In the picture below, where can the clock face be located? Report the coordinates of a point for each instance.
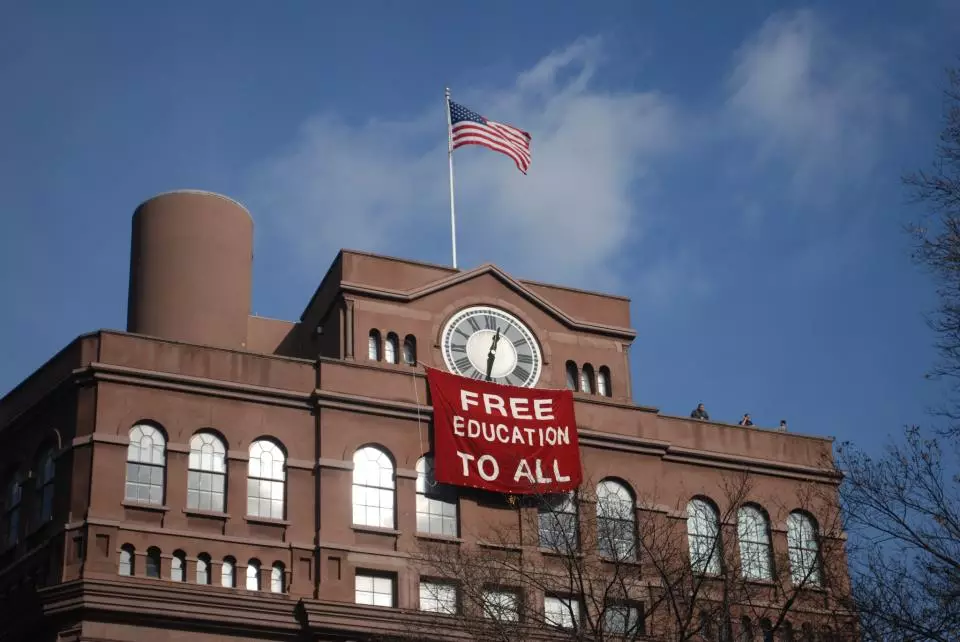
(487, 343)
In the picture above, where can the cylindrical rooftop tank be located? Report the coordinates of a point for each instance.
(191, 261)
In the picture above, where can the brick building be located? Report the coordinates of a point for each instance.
(210, 475)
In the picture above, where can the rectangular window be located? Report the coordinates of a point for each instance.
(562, 612)
(438, 597)
(375, 589)
(623, 620)
(501, 605)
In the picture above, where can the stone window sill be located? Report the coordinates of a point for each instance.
(436, 537)
(157, 508)
(377, 530)
(270, 521)
(196, 512)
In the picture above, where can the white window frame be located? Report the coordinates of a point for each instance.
(146, 465)
(374, 488)
(572, 376)
(391, 348)
(803, 548)
(603, 381)
(559, 523)
(623, 619)
(375, 589)
(616, 521)
(178, 566)
(153, 562)
(703, 535)
(203, 569)
(207, 473)
(437, 506)
(228, 572)
(374, 345)
(252, 575)
(438, 597)
(753, 534)
(561, 612)
(266, 480)
(587, 383)
(278, 582)
(410, 350)
(128, 561)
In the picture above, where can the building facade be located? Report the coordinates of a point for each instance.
(211, 475)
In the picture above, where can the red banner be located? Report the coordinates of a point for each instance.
(503, 438)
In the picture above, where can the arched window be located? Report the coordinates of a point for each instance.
(277, 582)
(586, 379)
(410, 350)
(127, 560)
(153, 562)
(703, 533)
(266, 479)
(559, 528)
(203, 568)
(178, 567)
(753, 531)
(603, 382)
(228, 576)
(373, 488)
(572, 376)
(804, 549)
(253, 575)
(13, 496)
(146, 459)
(616, 526)
(373, 345)
(436, 504)
(44, 486)
(207, 473)
(390, 348)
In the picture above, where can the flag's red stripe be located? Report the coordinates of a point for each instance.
(496, 131)
(520, 161)
(520, 136)
(492, 135)
(520, 165)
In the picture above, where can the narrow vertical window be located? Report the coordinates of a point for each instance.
(436, 505)
(153, 562)
(203, 568)
(227, 572)
(373, 346)
(44, 486)
(178, 566)
(277, 578)
(561, 612)
(586, 379)
(146, 460)
(603, 382)
(390, 348)
(703, 533)
(373, 488)
(559, 528)
(804, 549)
(410, 350)
(266, 480)
(127, 554)
(572, 376)
(253, 575)
(616, 523)
(753, 531)
(12, 500)
(207, 473)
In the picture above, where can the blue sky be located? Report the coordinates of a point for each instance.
(733, 169)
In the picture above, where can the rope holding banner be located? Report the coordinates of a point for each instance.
(416, 394)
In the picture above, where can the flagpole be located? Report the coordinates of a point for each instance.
(453, 216)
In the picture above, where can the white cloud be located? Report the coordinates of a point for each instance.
(380, 185)
(819, 104)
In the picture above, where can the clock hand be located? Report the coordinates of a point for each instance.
(492, 354)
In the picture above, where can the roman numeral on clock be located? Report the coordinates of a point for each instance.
(521, 372)
(463, 364)
(458, 347)
(489, 322)
(473, 323)
(524, 358)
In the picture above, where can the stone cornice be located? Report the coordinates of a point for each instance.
(518, 287)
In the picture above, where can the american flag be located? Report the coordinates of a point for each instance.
(470, 128)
